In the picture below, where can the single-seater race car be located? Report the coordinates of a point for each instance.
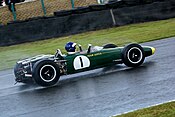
(46, 70)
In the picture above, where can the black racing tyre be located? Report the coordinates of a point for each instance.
(109, 46)
(16, 70)
(16, 67)
(46, 73)
(133, 55)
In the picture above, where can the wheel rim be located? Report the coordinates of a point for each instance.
(47, 73)
(135, 55)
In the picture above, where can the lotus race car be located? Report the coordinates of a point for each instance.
(45, 70)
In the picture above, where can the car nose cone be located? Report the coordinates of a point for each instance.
(153, 50)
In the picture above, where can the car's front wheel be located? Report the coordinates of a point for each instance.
(133, 55)
(46, 73)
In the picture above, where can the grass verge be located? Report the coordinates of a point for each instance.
(142, 32)
(163, 110)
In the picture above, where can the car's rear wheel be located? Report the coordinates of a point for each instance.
(46, 73)
(133, 55)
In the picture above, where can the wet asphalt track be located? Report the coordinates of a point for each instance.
(97, 93)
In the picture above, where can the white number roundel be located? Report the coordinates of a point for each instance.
(81, 62)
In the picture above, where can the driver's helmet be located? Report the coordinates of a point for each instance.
(70, 47)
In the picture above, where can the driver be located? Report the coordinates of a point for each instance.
(71, 47)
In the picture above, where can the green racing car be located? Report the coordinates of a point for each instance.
(45, 70)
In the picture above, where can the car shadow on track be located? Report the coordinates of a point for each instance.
(91, 74)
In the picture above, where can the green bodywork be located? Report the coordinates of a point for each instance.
(73, 63)
(102, 58)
